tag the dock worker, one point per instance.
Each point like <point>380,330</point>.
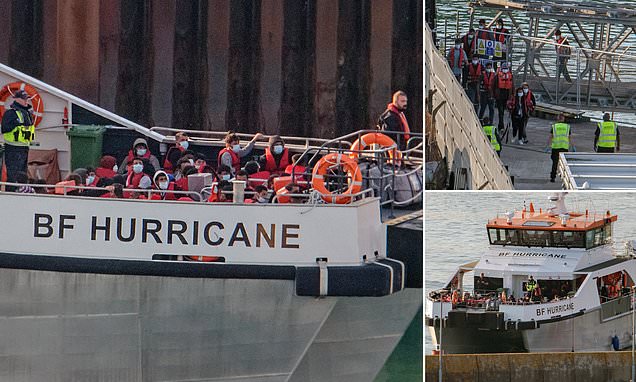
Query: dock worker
<point>606,137</point>
<point>487,92</point>
<point>563,51</point>
<point>503,91</point>
<point>560,141</point>
<point>492,134</point>
<point>18,130</point>
<point>531,284</point>
<point>457,59</point>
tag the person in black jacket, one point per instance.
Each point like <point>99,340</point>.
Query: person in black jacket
<point>393,119</point>
<point>18,131</point>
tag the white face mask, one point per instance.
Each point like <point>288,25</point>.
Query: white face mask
<point>197,166</point>
<point>278,149</point>
<point>519,94</point>
<point>490,70</point>
<point>225,177</point>
<point>90,180</point>
<point>141,152</point>
<point>525,91</point>
<point>475,62</point>
<point>191,162</point>
<point>262,199</point>
<point>184,144</point>
<point>504,70</point>
<point>137,168</point>
<point>163,185</point>
<point>457,46</point>
<point>236,148</point>
<point>115,168</point>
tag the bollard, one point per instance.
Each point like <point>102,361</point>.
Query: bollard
<point>238,191</point>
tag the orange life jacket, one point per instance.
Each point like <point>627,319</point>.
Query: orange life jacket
<point>452,58</point>
<point>270,164</point>
<point>474,72</point>
<point>504,80</point>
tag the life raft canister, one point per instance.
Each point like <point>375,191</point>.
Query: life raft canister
<point>335,160</point>
<point>375,139</point>
<point>36,101</point>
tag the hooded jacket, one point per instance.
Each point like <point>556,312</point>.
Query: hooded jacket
<point>131,155</point>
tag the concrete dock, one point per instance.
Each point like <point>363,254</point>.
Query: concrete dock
<point>530,163</point>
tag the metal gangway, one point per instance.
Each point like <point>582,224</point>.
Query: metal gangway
<point>602,63</point>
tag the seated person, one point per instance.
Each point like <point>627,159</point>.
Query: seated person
<point>242,175</point>
<point>139,150</point>
<point>186,160</point>
<point>200,163</point>
<point>115,191</point>
<point>92,180</point>
<point>182,184</point>
<point>231,155</point>
<point>182,142</point>
<point>260,195</point>
<point>107,167</point>
<point>255,174</point>
<point>290,188</point>
<point>224,173</point>
<point>161,182</point>
<point>221,192</point>
<point>65,187</point>
<point>276,158</point>
<point>136,177</point>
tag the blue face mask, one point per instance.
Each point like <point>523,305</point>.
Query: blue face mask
<point>89,180</point>
<point>141,152</point>
<point>278,149</point>
<point>137,168</point>
<point>225,177</point>
<point>184,144</point>
<point>236,148</point>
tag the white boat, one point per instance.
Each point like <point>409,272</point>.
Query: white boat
<point>121,289</point>
<point>583,299</point>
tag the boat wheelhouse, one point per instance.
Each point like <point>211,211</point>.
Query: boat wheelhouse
<point>549,281</point>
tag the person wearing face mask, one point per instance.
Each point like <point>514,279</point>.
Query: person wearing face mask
<point>182,143</point>
<point>107,167</point>
<point>563,52</point>
<point>487,92</point>
<point>501,34</point>
<point>394,119</point>
<point>231,155</point>
<point>475,71</point>
<point>139,150</point>
<point>18,130</point>
<point>468,41</point>
<point>519,115</point>
<point>163,184</point>
<point>503,91</point>
<point>530,102</point>
<point>136,177</point>
<point>260,195</point>
<point>457,59</point>
<point>276,156</point>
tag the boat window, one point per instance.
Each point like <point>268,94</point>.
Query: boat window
<point>569,239</point>
<point>503,236</point>
<point>598,236</point>
<point>487,284</point>
<point>535,238</point>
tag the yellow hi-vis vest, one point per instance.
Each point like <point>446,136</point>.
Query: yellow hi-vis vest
<point>21,135</point>
<point>561,136</point>
<point>490,133</point>
<point>607,137</point>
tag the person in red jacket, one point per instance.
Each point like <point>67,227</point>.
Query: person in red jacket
<point>232,153</point>
<point>487,92</point>
<point>182,143</point>
<point>276,156</point>
<point>161,182</point>
<point>139,149</point>
<point>107,167</point>
<point>503,91</point>
<point>475,71</point>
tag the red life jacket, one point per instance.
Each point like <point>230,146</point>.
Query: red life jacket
<point>104,172</point>
<point>259,178</point>
<point>166,195</point>
<point>504,80</point>
<point>133,179</point>
<point>488,82</point>
<point>528,101</point>
<point>403,122</point>
<point>182,183</point>
<point>95,181</point>
<point>452,58</point>
<point>236,161</point>
<point>501,35</point>
<point>270,164</point>
<point>299,172</point>
<point>474,72</point>
<point>167,165</point>
<point>564,49</point>
<point>468,46</point>
<point>131,156</point>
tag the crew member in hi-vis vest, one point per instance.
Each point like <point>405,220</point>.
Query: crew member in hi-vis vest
<point>560,141</point>
<point>606,137</point>
<point>18,130</point>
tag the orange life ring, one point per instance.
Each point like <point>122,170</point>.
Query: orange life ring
<point>378,139</point>
<point>36,101</point>
<point>348,164</point>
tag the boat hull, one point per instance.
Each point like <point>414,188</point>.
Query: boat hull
<point>584,332</point>
<point>62,326</point>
